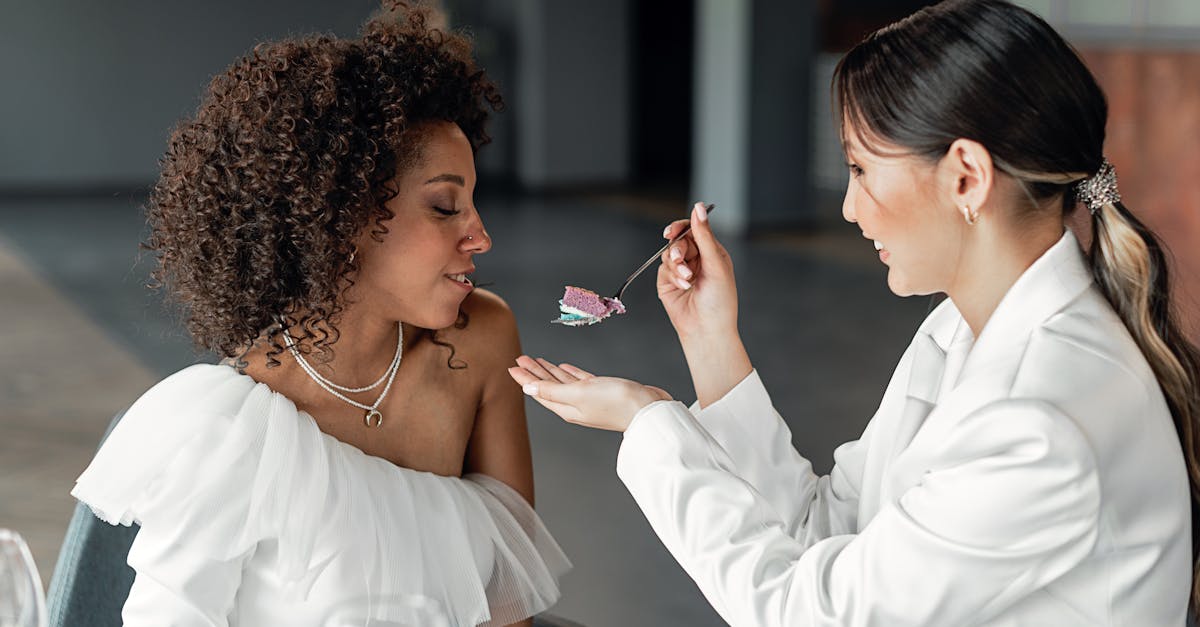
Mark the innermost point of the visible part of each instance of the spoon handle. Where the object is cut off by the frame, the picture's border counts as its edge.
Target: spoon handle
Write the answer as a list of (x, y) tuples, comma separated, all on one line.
[(710, 207)]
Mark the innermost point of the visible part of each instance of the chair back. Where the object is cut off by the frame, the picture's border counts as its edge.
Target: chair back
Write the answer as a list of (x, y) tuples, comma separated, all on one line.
[(91, 579)]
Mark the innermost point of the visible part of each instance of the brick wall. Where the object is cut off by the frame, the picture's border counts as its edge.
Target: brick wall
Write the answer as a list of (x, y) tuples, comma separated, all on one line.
[(1154, 143)]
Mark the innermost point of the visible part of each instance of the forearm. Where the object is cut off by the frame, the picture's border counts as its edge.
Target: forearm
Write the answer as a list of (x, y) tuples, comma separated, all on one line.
[(971, 563), (718, 362)]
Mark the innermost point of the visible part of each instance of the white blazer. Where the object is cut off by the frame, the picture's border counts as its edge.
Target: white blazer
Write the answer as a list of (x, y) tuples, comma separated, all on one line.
[(1030, 477)]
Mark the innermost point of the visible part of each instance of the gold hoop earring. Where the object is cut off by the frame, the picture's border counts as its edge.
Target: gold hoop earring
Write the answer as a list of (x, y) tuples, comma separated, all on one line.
[(970, 216)]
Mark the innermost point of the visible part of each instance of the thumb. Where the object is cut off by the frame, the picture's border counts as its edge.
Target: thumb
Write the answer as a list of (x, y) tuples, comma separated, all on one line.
[(706, 240)]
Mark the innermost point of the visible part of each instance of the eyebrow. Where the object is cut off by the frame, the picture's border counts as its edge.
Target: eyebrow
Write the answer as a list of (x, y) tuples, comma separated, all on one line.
[(447, 178)]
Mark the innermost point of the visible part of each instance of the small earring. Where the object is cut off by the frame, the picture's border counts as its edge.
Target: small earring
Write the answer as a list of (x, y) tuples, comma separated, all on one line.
[(352, 254), (968, 215)]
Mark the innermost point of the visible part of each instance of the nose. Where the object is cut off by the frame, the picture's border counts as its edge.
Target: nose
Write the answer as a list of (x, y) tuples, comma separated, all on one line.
[(476, 240), (848, 206)]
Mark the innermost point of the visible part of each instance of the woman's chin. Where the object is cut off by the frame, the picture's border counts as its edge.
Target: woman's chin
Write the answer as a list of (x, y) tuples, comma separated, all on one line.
[(904, 288), (441, 319), (898, 285), (434, 315)]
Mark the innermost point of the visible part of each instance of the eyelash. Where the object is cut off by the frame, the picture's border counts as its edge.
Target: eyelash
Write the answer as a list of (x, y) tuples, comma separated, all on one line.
[(855, 171), (446, 212)]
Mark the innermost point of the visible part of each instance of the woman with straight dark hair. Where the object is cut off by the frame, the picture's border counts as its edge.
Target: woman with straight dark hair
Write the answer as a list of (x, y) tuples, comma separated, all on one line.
[(1033, 460)]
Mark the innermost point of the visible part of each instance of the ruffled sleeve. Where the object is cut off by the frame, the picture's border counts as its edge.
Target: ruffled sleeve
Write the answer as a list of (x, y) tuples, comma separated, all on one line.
[(211, 463), (168, 466), (527, 561)]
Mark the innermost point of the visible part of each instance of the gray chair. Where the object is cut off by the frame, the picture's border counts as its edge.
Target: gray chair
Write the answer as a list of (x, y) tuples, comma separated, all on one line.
[(91, 579)]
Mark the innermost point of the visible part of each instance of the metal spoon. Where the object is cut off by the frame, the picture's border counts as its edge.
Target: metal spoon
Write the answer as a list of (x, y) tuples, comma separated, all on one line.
[(620, 292)]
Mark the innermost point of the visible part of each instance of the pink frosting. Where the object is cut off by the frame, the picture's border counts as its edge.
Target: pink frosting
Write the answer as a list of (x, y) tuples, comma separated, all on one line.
[(591, 303)]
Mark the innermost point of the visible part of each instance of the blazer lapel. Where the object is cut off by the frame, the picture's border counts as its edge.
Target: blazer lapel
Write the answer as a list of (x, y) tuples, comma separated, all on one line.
[(1051, 283), (1056, 279), (928, 364)]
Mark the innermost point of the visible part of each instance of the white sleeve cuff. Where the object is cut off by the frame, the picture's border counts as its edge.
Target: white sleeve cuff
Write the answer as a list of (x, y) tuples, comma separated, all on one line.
[(748, 397)]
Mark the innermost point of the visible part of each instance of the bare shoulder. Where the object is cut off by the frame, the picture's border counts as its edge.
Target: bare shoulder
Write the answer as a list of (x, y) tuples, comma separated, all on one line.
[(491, 332), (489, 311)]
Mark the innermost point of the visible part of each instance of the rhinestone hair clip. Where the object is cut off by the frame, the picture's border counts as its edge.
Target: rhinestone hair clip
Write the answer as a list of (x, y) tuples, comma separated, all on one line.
[(1099, 189)]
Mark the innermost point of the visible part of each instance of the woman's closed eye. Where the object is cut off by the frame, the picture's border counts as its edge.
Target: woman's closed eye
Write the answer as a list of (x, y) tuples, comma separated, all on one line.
[(855, 170), (445, 212)]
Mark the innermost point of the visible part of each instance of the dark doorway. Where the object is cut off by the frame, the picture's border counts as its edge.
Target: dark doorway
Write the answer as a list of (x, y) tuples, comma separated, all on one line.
[(662, 96)]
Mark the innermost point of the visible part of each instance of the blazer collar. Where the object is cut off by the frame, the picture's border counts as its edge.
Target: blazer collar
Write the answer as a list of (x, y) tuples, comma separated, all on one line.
[(1052, 282), (1055, 280)]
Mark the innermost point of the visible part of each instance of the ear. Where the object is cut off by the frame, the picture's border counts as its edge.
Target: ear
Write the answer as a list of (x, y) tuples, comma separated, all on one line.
[(968, 175)]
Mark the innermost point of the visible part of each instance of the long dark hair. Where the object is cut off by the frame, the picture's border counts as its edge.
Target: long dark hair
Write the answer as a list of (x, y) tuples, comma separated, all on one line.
[(995, 73)]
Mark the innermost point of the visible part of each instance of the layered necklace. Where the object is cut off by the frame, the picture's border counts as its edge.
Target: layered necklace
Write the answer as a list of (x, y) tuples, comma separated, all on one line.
[(373, 417)]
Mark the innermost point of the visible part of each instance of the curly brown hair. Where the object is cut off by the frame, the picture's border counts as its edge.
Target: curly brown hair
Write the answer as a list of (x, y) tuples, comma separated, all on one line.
[(292, 153)]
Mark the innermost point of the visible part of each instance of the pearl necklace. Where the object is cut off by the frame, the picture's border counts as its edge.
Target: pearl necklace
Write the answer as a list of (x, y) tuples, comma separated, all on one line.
[(373, 417)]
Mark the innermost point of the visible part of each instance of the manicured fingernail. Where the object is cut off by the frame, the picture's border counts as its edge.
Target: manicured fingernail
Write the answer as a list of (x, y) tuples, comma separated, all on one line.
[(683, 285), (701, 212), (530, 389), (685, 271), (676, 255), (667, 232)]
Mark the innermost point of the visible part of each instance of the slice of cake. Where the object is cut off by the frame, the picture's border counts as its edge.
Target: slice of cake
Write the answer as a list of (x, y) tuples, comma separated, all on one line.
[(590, 303), (580, 307)]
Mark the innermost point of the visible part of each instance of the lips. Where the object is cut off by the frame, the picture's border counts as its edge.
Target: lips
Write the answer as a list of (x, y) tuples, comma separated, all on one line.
[(883, 253), (462, 278)]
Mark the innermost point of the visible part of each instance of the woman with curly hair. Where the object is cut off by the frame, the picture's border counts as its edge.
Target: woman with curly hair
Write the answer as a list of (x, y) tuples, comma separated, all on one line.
[(360, 453)]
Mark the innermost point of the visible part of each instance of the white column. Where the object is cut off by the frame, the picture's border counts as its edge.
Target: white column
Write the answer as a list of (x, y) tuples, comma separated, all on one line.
[(721, 133)]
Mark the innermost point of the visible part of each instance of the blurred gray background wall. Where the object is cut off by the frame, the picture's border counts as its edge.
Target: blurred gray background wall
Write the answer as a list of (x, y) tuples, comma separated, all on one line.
[(91, 90)]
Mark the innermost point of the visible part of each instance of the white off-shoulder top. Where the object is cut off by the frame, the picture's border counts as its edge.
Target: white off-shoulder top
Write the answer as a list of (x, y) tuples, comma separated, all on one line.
[(250, 515)]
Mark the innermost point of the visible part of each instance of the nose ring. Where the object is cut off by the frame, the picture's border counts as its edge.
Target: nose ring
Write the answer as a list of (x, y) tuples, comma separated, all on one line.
[(470, 237)]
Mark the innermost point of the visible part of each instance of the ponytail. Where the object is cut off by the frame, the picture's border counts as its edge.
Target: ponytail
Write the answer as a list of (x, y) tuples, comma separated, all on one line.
[(1128, 263)]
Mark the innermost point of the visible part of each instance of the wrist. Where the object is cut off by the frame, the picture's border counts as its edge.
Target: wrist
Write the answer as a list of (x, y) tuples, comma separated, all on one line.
[(707, 333), (717, 368), (639, 404), (712, 345), (644, 398)]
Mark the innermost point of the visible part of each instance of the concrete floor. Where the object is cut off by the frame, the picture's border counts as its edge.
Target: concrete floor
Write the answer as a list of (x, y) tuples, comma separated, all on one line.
[(83, 338)]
